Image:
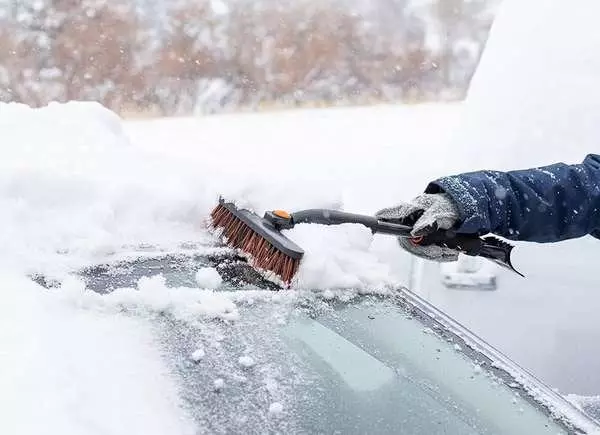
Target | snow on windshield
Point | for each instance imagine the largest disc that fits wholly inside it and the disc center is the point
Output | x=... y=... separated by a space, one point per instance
x=78 y=186
x=71 y=371
x=82 y=186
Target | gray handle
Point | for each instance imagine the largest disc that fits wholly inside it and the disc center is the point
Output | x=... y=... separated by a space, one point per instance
x=335 y=217
x=470 y=244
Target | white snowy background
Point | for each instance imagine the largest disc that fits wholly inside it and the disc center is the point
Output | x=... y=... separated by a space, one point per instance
x=78 y=185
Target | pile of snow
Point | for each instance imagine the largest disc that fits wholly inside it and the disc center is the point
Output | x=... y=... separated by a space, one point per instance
x=246 y=361
x=76 y=187
x=208 y=277
x=153 y=296
x=275 y=408
x=351 y=159
x=339 y=256
x=71 y=371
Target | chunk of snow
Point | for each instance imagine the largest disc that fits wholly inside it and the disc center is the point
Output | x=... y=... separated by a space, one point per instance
x=328 y=294
x=208 y=277
x=153 y=297
x=246 y=361
x=335 y=254
x=198 y=354
x=271 y=385
x=218 y=384
x=275 y=408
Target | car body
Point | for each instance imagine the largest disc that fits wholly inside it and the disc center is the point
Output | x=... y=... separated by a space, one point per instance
x=300 y=361
x=471 y=273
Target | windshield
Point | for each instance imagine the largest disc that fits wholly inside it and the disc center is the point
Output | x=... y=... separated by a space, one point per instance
x=388 y=373
x=363 y=368
x=303 y=363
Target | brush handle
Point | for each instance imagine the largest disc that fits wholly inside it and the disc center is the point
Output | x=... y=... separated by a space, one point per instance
x=469 y=244
x=335 y=217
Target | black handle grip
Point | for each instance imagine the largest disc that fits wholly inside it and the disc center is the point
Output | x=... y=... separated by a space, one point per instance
x=469 y=244
x=489 y=247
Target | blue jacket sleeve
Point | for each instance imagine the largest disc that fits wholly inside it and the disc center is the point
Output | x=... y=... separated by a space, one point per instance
x=545 y=204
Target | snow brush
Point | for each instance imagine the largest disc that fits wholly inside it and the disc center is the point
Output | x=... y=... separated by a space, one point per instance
x=270 y=252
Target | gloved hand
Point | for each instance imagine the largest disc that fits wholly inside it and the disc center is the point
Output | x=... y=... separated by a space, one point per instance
x=426 y=213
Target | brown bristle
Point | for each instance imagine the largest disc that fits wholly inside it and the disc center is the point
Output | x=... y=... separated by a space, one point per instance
x=263 y=255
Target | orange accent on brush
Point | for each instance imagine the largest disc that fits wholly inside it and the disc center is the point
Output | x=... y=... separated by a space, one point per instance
x=282 y=214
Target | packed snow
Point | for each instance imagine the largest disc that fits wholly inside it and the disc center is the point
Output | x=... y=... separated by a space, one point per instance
x=275 y=408
x=71 y=371
x=198 y=355
x=219 y=384
x=246 y=361
x=208 y=277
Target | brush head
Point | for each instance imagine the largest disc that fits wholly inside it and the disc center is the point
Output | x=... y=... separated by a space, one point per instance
x=257 y=239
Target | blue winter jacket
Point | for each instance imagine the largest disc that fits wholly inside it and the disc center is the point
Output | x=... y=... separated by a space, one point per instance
x=545 y=204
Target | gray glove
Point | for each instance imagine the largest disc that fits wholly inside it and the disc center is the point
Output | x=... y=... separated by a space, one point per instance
x=426 y=213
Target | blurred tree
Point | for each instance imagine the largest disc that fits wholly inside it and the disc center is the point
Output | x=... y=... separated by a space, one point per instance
x=462 y=26
x=96 y=50
x=73 y=50
x=17 y=66
x=206 y=55
x=191 y=52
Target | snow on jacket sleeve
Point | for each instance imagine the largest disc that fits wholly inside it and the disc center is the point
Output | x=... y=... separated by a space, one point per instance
x=545 y=204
